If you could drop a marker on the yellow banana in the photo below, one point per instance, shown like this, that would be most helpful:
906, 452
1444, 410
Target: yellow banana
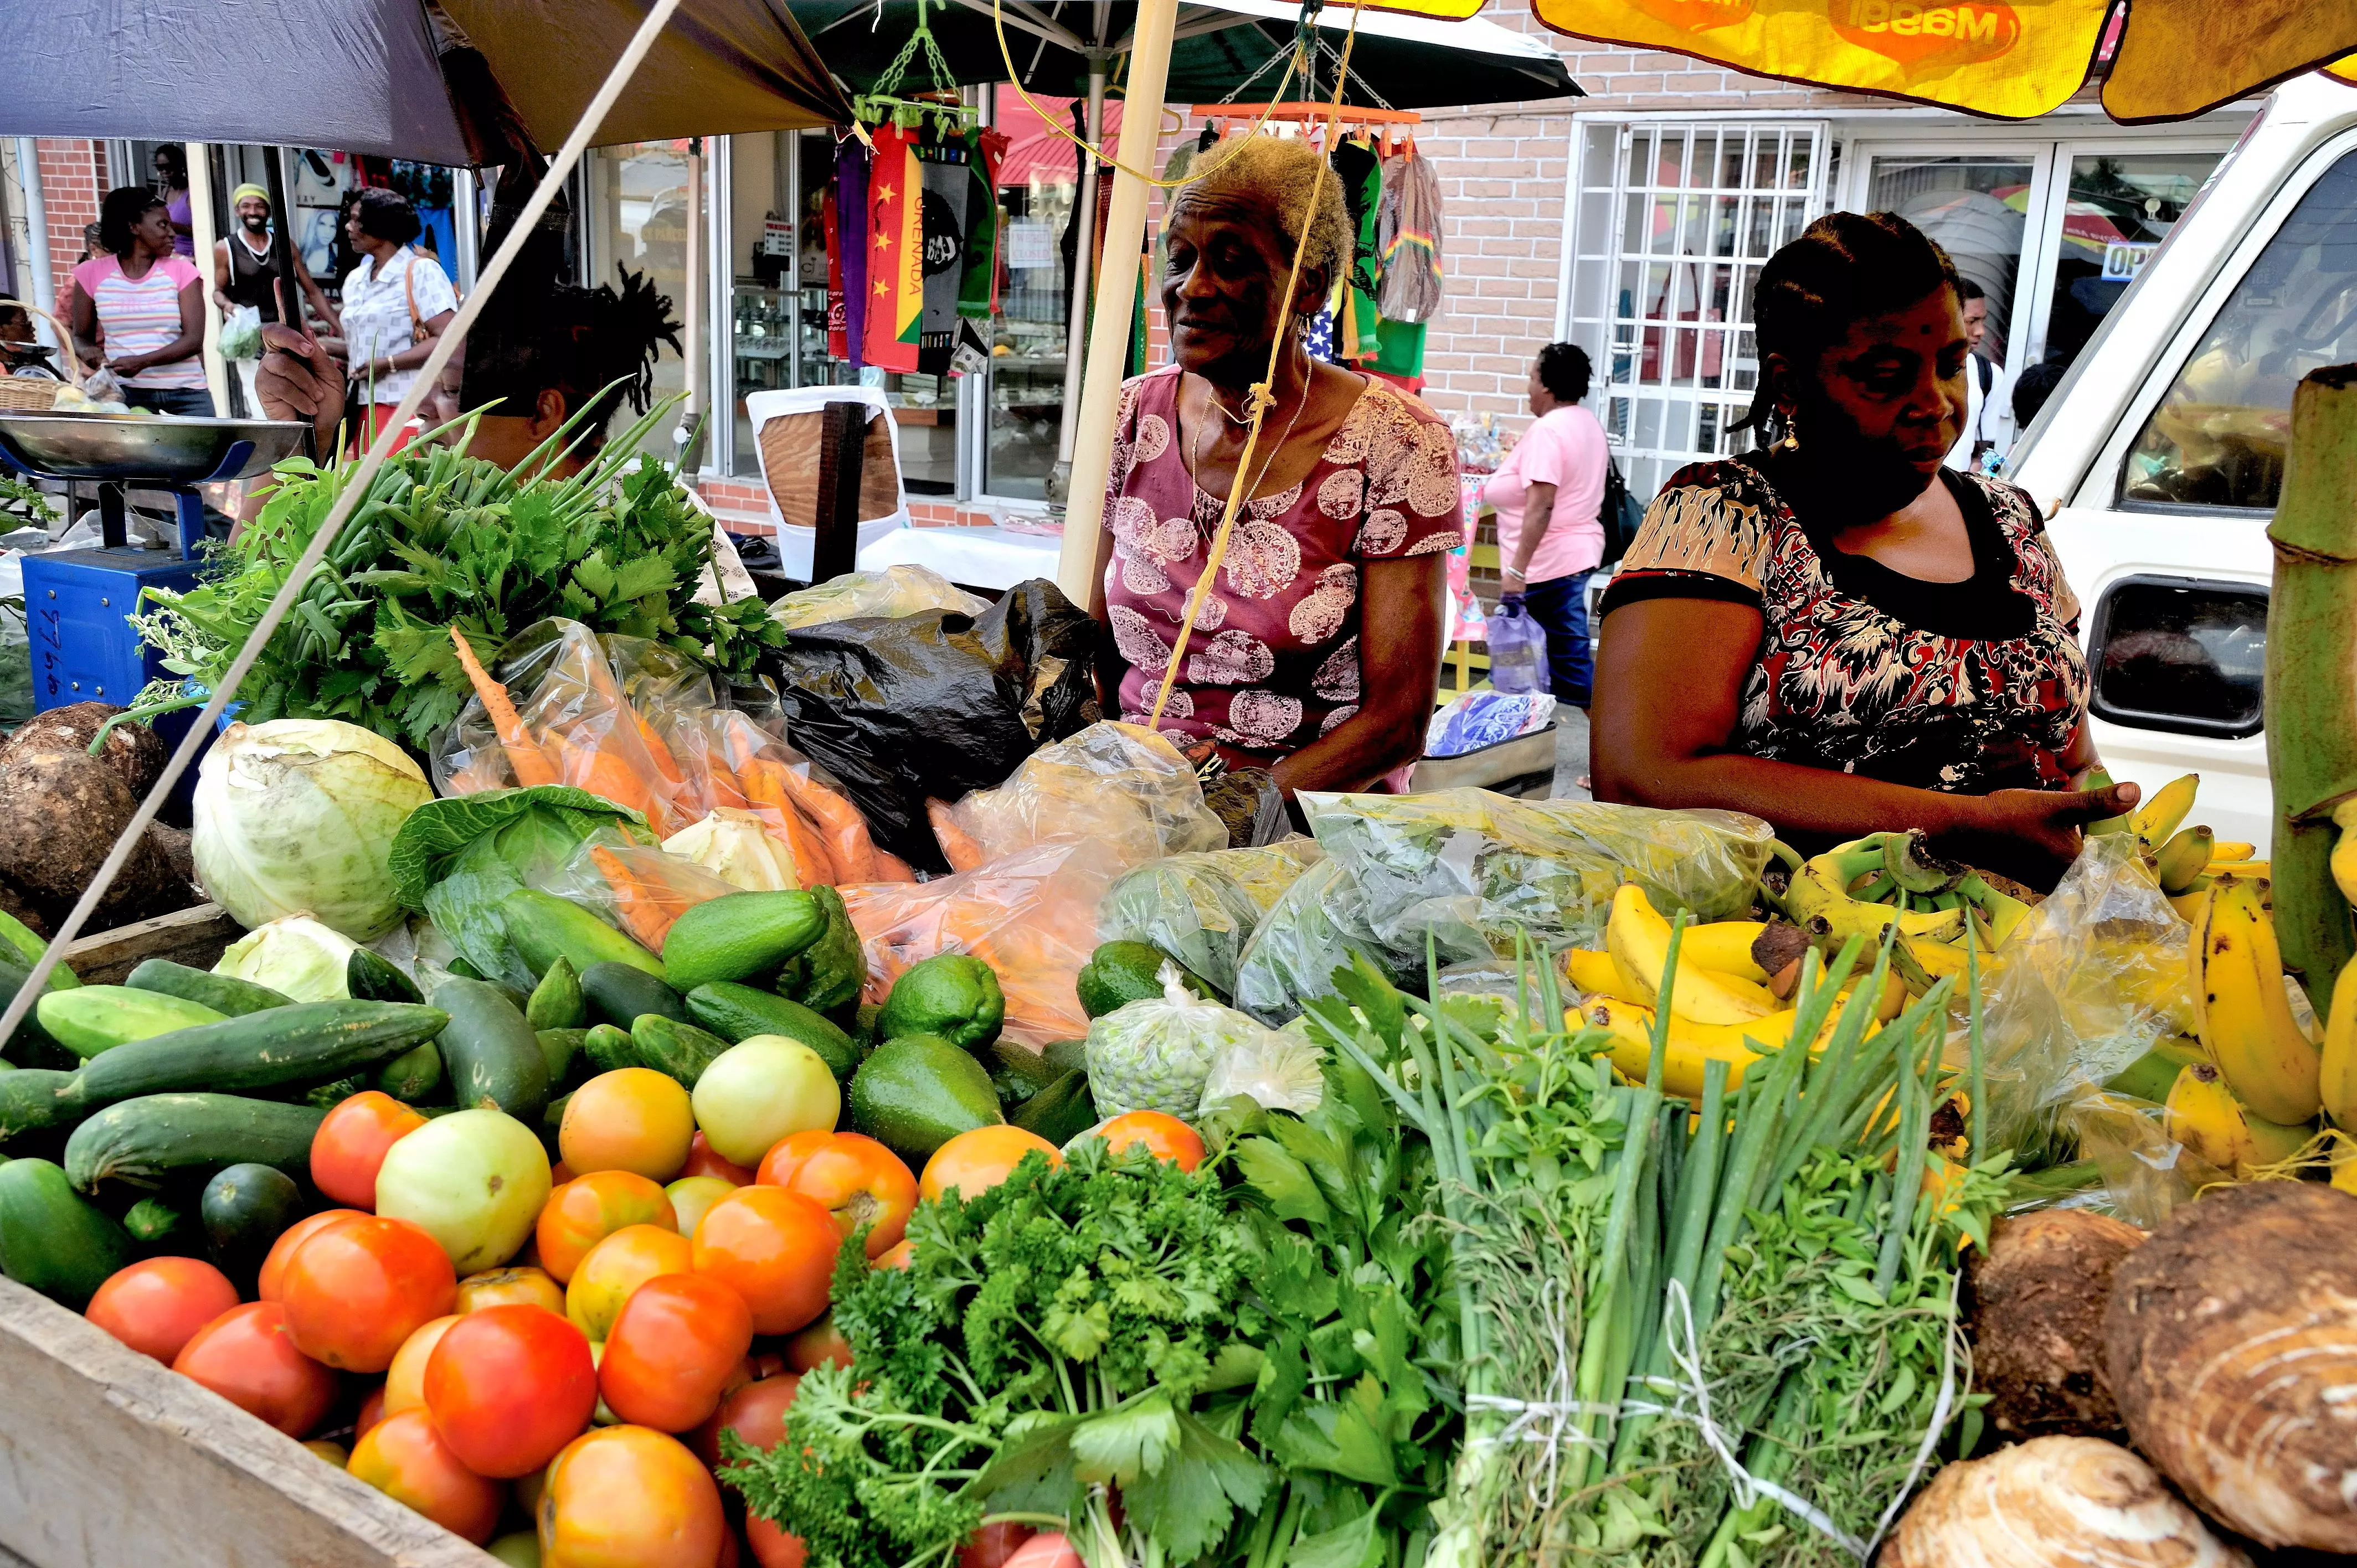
2344, 1166
2254, 868
1941, 959
1726, 946
2204, 1115
2344, 848
2189, 906
2245, 1019
2157, 819
1638, 941
1593, 974
2182, 859
2337, 1071
2226, 851
1690, 1049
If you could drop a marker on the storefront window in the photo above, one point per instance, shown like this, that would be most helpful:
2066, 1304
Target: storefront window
1975, 208
2118, 211
636, 218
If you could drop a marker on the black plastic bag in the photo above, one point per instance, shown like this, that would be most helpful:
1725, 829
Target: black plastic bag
936, 704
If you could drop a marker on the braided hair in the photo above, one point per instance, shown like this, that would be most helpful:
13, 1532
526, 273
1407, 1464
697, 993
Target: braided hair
1845, 267
597, 346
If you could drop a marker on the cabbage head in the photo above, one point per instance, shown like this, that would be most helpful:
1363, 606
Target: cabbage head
295, 955
296, 815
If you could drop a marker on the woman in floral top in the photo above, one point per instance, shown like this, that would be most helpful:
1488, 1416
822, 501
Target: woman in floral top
1836, 633
1318, 645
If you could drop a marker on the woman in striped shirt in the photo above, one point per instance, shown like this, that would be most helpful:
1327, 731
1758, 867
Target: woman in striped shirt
140, 309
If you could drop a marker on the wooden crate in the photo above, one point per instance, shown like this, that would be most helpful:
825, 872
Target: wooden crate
194, 936
109, 1459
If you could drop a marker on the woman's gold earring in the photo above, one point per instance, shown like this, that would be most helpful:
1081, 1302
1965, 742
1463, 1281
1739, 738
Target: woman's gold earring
1791, 442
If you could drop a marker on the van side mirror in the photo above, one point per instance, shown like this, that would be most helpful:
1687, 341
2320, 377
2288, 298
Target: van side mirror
2184, 655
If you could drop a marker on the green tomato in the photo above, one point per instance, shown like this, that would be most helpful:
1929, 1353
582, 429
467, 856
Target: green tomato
758, 1091
475, 1182
691, 1196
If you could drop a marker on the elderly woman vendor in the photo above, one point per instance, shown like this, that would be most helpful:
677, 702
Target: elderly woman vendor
1318, 645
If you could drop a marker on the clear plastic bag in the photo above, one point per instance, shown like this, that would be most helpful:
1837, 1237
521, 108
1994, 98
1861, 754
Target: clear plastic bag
1156, 1053
1277, 1070
2146, 1172
1518, 649
1120, 785
894, 592
1203, 909
1312, 930
240, 334
638, 889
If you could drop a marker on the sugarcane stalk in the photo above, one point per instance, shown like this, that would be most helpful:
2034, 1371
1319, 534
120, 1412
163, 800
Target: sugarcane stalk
2311, 678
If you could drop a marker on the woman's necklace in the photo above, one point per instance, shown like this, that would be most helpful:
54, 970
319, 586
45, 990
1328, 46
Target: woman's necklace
1195, 463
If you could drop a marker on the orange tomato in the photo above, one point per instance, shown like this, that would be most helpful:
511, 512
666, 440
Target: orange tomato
692, 1196
274, 1265
1159, 1134
673, 1347
773, 1545
511, 1286
156, 1306
350, 1143
358, 1288
1052, 1551
619, 1266
626, 1496
701, 1161
972, 1162
853, 1177
372, 1411
898, 1255
820, 1344
587, 1209
993, 1545
405, 1380
247, 1357
756, 1413
508, 1387
403, 1457
776, 1248
334, 1454
632, 1119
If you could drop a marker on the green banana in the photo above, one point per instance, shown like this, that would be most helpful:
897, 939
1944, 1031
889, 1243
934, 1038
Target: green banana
1907, 858
2002, 912
1820, 891
2100, 778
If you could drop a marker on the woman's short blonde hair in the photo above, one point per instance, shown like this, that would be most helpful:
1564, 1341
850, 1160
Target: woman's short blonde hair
1278, 177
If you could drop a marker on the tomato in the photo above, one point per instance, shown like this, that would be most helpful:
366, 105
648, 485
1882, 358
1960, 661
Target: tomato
772, 1545
756, 1413
703, 1162
619, 1266
156, 1306
372, 1411
509, 1287
359, 1288
774, 1248
587, 1209
247, 1357
1045, 1552
476, 1179
1159, 1132
334, 1454
820, 1344
626, 1497
632, 1119
972, 1162
351, 1142
853, 1177
693, 1196
993, 1545
732, 1552
405, 1380
761, 1089
508, 1387
899, 1255
403, 1457
273, 1266
673, 1347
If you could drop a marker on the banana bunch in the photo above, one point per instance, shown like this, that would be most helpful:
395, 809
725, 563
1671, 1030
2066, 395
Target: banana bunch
2207, 1117
2242, 1009
1852, 888
2185, 860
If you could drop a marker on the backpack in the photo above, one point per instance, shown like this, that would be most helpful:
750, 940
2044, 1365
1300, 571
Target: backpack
1621, 514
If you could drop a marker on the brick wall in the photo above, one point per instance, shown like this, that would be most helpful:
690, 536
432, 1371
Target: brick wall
73, 177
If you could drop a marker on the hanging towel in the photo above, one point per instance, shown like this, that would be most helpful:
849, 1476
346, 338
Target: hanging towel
941, 235
896, 258
1410, 224
851, 226
1361, 174
978, 289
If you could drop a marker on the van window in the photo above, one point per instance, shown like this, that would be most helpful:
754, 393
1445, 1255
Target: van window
2217, 440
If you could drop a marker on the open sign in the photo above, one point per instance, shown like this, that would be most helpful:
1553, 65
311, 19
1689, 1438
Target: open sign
2124, 259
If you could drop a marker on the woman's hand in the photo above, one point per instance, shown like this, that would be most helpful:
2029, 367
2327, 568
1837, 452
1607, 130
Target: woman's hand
2032, 835
299, 379
129, 365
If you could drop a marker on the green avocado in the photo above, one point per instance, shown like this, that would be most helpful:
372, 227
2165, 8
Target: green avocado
916, 1093
949, 994
1119, 973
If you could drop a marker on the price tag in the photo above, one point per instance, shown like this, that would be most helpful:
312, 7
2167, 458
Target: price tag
777, 237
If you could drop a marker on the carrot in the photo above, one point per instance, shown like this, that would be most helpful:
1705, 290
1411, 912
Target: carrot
524, 756
645, 910
600, 678
846, 830
602, 773
764, 787
890, 867
958, 846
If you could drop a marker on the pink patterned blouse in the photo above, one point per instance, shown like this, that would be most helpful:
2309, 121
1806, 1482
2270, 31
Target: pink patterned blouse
1273, 659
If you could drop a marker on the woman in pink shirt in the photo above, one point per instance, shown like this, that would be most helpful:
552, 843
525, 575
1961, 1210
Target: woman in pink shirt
1547, 494
140, 309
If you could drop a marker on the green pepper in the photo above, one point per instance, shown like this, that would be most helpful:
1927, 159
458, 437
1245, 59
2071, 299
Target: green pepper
835, 968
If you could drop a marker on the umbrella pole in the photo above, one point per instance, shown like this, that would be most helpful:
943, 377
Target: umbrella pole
1076, 328
1141, 127
201, 239
692, 410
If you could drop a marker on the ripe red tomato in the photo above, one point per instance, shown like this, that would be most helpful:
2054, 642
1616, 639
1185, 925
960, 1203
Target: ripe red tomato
404, 1457
1051, 1550
1161, 1135
673, 1347
776, 1248
703, 1161
405, 1380
820, 1344
372, 1411
247, 1357
510, 1386
358, 1288
756, 1413
274, 1265
853, 1177
156, 1306
773, 1546
899, 1255
587, 1209
993, 1545
626, 1497
350, 1143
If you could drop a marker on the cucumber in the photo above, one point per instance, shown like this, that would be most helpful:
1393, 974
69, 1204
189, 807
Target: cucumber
556, 1001
151, 1220
145, 1140
618, 994
309, 1042
489, 1052
224, 994
682, 1050
740, 935
95, 1018
32, 1098
244, 1209
414, 1076
371, 977
738, 1012
543, 927
562, 1048
609, 1049
31, 1046
27, 945
51, 1238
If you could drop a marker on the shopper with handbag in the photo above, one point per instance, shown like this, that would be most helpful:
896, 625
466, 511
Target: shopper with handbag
396, 301
1549, 495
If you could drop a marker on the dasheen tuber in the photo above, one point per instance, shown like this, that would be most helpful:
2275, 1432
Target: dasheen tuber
2054, 1502
2036, 1317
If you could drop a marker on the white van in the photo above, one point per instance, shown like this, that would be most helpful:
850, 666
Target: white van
2159, 456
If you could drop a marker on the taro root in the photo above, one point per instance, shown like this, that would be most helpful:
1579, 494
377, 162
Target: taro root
2054, 1502
133, 750
2230, 1342
14, 902
2036, 1317
66, 809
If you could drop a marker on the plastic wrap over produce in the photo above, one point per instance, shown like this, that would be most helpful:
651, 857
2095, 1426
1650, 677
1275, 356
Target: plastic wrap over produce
1312, 931
1032, 917
638, 890
1471, 867
905, 590
1203, 909
1120, 785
